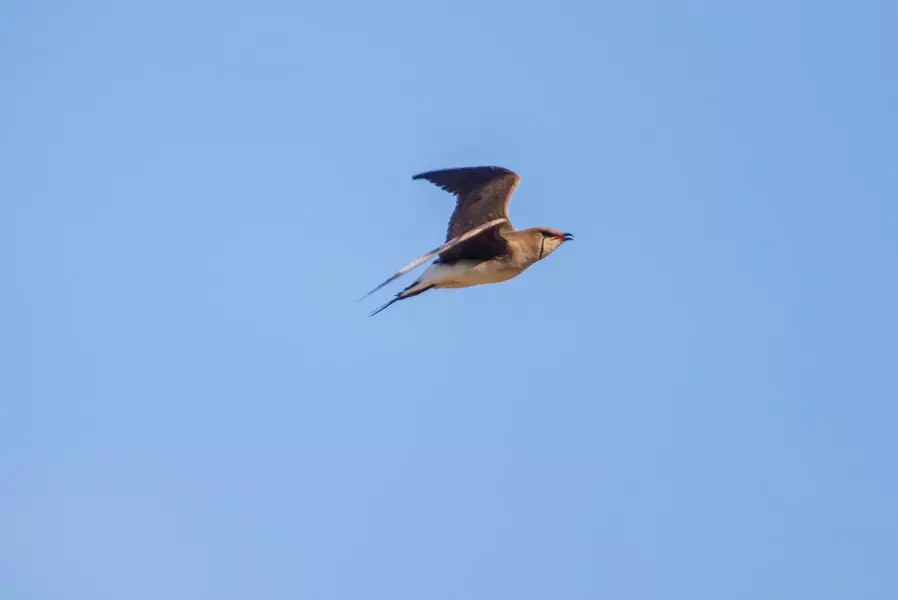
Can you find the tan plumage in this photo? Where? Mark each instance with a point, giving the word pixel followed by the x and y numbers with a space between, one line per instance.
pixel 481 243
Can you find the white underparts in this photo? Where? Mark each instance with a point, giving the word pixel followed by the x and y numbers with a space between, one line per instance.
pixel 462 274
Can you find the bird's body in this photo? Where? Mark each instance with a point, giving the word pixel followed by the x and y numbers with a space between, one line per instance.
pixel 481 245
pixel 465 273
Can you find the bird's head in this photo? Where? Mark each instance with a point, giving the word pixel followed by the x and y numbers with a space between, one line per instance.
pixel 550 240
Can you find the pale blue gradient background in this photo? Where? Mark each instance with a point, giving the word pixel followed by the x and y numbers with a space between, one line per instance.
pixel 694 400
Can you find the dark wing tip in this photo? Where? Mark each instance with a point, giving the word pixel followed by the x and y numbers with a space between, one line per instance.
pixel 461 170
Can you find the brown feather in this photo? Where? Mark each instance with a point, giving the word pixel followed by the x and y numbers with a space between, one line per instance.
pixel 483 194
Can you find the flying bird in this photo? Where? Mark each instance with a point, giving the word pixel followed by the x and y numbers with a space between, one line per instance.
pixel 482 245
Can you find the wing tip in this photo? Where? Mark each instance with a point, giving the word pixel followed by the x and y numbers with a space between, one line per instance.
pixel 426 174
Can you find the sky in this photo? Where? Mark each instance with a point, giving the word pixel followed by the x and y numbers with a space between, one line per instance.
pixel 697 399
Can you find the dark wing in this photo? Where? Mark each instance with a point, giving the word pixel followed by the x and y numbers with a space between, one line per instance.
pixel 483 194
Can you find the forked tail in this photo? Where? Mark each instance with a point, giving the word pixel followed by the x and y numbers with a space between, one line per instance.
pixel 409 292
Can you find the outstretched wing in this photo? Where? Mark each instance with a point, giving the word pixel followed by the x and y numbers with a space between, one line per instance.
pixel 482 195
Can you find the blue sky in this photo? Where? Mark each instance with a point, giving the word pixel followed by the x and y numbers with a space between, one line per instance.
pixel 694 400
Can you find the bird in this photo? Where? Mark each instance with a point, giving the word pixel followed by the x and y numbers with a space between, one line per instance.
pixel 482 246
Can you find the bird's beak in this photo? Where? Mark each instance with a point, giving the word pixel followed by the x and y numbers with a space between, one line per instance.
pixel 567 237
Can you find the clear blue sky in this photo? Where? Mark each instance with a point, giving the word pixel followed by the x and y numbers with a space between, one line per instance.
pixel 696 400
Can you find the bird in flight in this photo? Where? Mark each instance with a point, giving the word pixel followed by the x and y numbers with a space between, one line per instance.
pixel 482 245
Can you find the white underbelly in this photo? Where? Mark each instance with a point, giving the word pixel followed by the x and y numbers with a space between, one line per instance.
pixel 466 274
